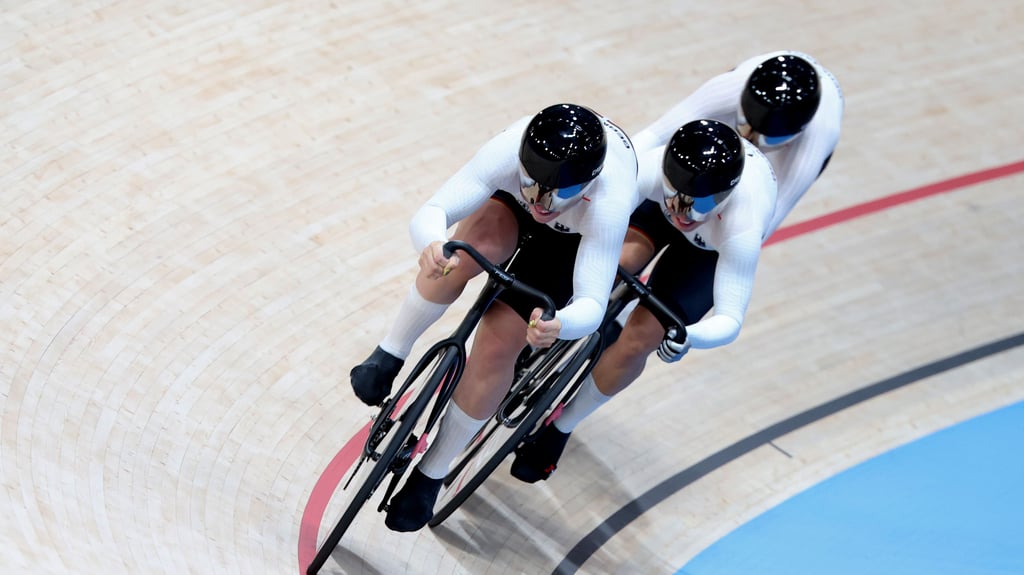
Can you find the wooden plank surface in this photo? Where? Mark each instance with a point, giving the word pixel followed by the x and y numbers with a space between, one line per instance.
pixel 203 212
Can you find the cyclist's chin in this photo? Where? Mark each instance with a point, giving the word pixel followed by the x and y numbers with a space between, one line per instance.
pixel 685 225
pixel 541 215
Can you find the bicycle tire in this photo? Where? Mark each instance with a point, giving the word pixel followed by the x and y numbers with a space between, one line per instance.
pixel 409 418
pixel 540 369
pixel 587 352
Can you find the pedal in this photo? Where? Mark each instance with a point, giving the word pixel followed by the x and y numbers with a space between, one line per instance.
pixel 398 468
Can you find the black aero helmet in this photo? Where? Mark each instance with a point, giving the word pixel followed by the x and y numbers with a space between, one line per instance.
pixel 703 162
pixel 781 96
pixel 563 146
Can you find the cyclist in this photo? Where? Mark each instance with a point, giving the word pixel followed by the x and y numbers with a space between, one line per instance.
pixel 574 173
pixel 789 110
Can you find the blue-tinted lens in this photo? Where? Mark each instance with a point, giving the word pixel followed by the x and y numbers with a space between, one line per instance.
pixel 776 140
pixel 569 191
pixel 547 198
pixel 705 204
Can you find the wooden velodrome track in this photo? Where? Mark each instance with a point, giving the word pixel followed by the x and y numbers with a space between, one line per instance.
pixel 203 227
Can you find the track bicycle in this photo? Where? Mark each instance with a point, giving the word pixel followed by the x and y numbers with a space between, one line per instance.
pixel 399 432
pixel 546 379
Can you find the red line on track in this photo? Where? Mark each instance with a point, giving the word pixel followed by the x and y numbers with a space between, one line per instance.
pixel 887 202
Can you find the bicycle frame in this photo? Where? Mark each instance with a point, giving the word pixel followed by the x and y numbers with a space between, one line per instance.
pixel 550 379
pixel 498 281
pixel 401 449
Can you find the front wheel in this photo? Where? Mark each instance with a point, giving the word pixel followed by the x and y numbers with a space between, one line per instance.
pixel 504 432
pixel 397 440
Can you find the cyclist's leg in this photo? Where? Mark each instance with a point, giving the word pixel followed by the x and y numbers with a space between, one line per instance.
pixel 493 231
pixel 488 375
pixel 624 361
pixel 546 251
pixel 538 457
pixel 648 233
pixel 688 293
pixel 486 380
pixel 683 279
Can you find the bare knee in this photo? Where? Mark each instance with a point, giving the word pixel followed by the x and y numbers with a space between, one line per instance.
pixel 447 289
pixel 641 335
pixel 492 229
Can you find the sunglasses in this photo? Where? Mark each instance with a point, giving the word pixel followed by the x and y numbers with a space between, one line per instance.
pixel 691 207
pixel 546 198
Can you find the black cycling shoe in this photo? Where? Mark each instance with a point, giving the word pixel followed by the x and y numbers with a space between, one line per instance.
pixel 537 457
pixel 371 380
pixel 413 506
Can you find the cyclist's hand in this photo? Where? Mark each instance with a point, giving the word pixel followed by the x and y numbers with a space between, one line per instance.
pixel 542 333
pixel 434 264
pixel 670 350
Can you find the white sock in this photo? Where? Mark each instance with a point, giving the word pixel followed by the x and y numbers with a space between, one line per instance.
pixel 585 402
pixel 414 317
pixel 453 433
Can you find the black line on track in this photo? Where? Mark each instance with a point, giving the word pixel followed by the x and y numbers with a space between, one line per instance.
pixel 593 541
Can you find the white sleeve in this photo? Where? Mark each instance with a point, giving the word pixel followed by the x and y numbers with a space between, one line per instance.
pixel 798 166
pixel 734 283
pixel 465 191
pixel 597 260
pixel 593 275
pixel 429 224
pixel 716 98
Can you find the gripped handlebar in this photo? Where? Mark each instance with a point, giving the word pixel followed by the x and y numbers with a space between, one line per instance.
pixel 502 277
pixel 667 318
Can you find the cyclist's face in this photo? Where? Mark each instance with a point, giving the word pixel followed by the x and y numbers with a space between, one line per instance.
pixel 687 213
pixel 682 222
pixel 542 215
pixel 546 203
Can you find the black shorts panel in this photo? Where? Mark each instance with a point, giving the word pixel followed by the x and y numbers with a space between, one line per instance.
pixel 684 276
pixel 545 260
pixel 684 279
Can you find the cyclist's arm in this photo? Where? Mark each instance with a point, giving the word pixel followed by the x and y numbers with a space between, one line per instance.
pixel 734 283
pixel 597 261
pixel 468 189
pixel 799 165
pixel 717 98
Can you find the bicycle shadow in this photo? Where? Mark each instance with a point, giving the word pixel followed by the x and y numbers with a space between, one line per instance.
pixel 344 561
pixel 541 520
pixel 479 526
